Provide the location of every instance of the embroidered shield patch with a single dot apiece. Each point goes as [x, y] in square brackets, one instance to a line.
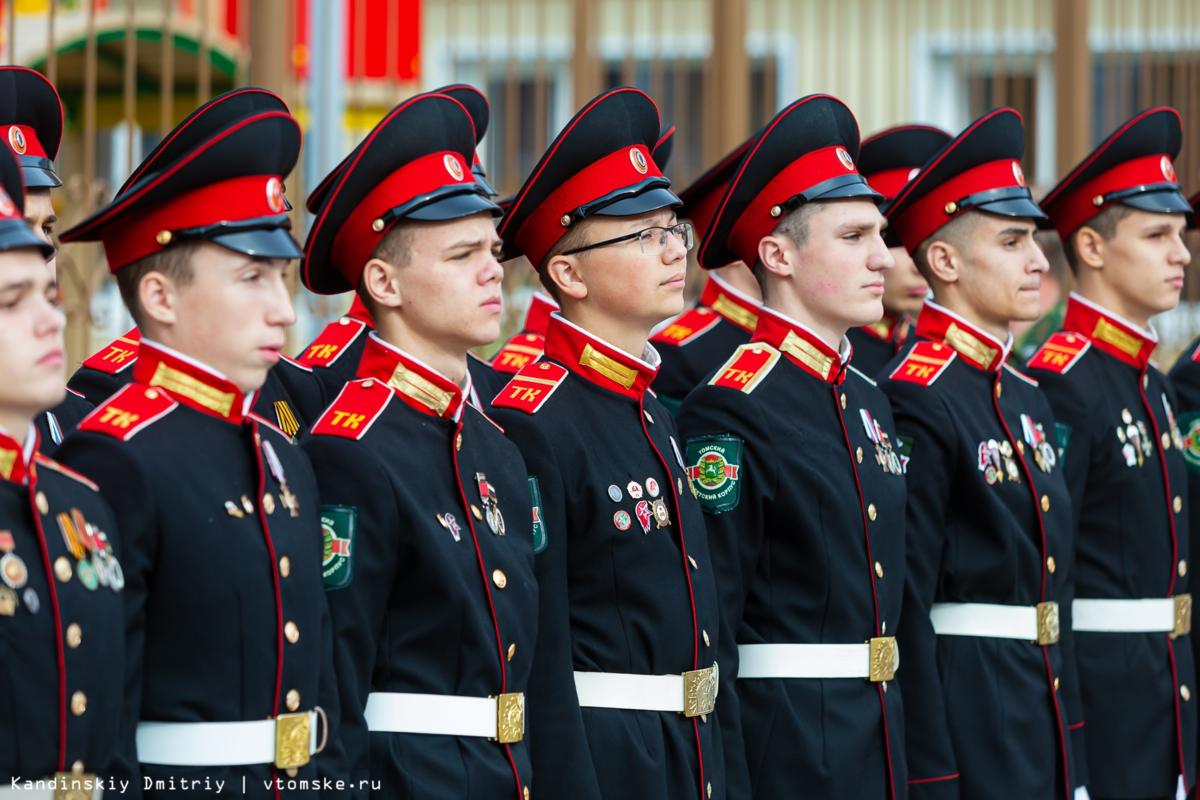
[540, 539]
[338, 526]
[1189, 425]
[714, 466]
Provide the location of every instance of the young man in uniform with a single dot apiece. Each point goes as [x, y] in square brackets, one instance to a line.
[1121, 218]
[432, 593]
[811, 577]
[700, 339]
[887, 160]
[989, 690]
[624, 677]
[31, 123]
[62, 642]
[228, 637]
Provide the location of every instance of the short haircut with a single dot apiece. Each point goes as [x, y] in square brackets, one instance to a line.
[395, 248]
[795, 225]
[1105, 223]
[956, 232]
[175, 263]
[576, 236]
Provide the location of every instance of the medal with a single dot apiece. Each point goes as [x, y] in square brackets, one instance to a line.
[286, 497]
[7, 545]
[661, 518]
[635, 490]
[487, 498]
[678, 455]
[622, 521]
[644, 515]
[32, 603]
[1035, 437]
[451, 524]
[70, 535]
[87, 575]
[13, 571]
[8, 602]
[652, 487]
[614, 493]
[1176, 438]
[990, 463]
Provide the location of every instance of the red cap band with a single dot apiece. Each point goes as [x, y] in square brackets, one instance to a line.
[23, 141]
[889, 182]
[1070, 212]
[249, 197]
[940, 206]
[543, 228]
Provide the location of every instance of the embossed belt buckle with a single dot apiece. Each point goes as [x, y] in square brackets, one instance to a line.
[510, 717]
[293, 734]
[1183, 614]
[71, 785]
[885, 658]
[700, 691]
[1047, 618]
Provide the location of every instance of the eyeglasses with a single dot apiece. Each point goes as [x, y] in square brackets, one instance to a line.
[653, 241]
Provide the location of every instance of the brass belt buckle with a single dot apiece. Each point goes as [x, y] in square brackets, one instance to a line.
[700, 691]
[74, 785]
[885, 658]
[1048, 629]
[510, 717]
[1183, 615]
[293, 735]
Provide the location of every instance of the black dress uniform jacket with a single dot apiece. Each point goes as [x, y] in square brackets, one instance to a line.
[430, 599]
[700, 339]
[876, 345]
[1131, 542]
[225, 617]
[54, 425]
[62, 645]
[988, 521]
[618, 592]
[791, 453]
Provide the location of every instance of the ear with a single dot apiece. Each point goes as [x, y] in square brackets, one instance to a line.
[158, 296]
[566, 274]
[945, 262]
[382, 282]
[777, 253]
[1090, 248]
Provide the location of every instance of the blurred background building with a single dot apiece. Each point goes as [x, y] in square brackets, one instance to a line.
[129, 70]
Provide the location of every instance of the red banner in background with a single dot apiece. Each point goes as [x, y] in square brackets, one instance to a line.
[367, 39]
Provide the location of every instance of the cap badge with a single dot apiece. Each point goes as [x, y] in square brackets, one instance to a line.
[275, 195]
[16, 137]
[1018, 174]
[1168, 169]
[452, 166]
[845, 158]
[639, 160]
[7, 207]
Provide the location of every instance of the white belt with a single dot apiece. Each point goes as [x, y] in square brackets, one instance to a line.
[692, 694]
[1150, 615]
[876, 660]
[1028, 623]
[287, 741]
[501, 718]
[7, 792]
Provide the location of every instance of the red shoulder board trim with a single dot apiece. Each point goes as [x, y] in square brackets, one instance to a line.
[72, 391]
[485, 416]
[50, 463]
[264, 421]
[531, 387]
[114, 357]
[747, 367]
[293, 362]
[1022, 376]
[1196, 354]
[924, 364]
[687, 327]
[128, 411]
[354, 410]
[1060, 352]
[332, 342]
[518, 353]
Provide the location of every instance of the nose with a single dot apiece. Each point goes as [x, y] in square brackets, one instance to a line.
[1040, 262]
[675, 250]
[50, 320]
[1179, 253]
[281, 312]
[493, 270]
[881, 257]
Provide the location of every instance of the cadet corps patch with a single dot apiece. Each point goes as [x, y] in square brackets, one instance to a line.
[518, 352]
[905, 450]
[924, 363]
[1189, 424]
[116, 355]
[338, 526]
[332, 342]
[714, 465]
[355, 408]
[1060, 352]
[687, 327]
[540, 539]
[530, 388]
[128, 411]
[1063, 431]
[748, 366]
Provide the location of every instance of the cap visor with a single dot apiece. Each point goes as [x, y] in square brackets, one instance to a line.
[261, 243]
[481, 179]
[15, 234]
[1160, 202]
[38, 178]
[1014, 207]
[650, 200]
[455, 206]
[851, 190]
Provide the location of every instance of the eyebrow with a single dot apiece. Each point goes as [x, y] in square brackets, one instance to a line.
[466, 243]
[1017, 231]
[19, 286]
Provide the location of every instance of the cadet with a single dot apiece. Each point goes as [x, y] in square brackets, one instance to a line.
[434, 611]
[335, 353]
[31, 120]
[61, 636]
[291, 396]
[622, 689]
[989, 518]
[526, 346]
[227, 627]
[1121, 218]
[811, 579]
[700, 339]
[887, 160]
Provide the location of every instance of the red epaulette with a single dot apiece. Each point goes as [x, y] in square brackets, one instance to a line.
[747, 367]
[687, 327]
[293, 362]
[924, 363]
[1060, 352]
[530, 388]
[332, 342]
[354, 410]
[128, 411]
[116, 355]
[518, 352]
[50, 463]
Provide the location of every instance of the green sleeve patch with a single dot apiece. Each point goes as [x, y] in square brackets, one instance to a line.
[714, 469]
[338, 527]
[540, 540]
[1063, 431]
[1189, 427]
[904, 451]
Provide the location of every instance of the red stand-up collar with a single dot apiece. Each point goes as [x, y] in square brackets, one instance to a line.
[802, 347]
[1118, 337]
[358, 310]
[417, 384]
[977, 348]
[15, 459]
[730, 303]
[189, 382]
[598, 361]
[537, 319]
